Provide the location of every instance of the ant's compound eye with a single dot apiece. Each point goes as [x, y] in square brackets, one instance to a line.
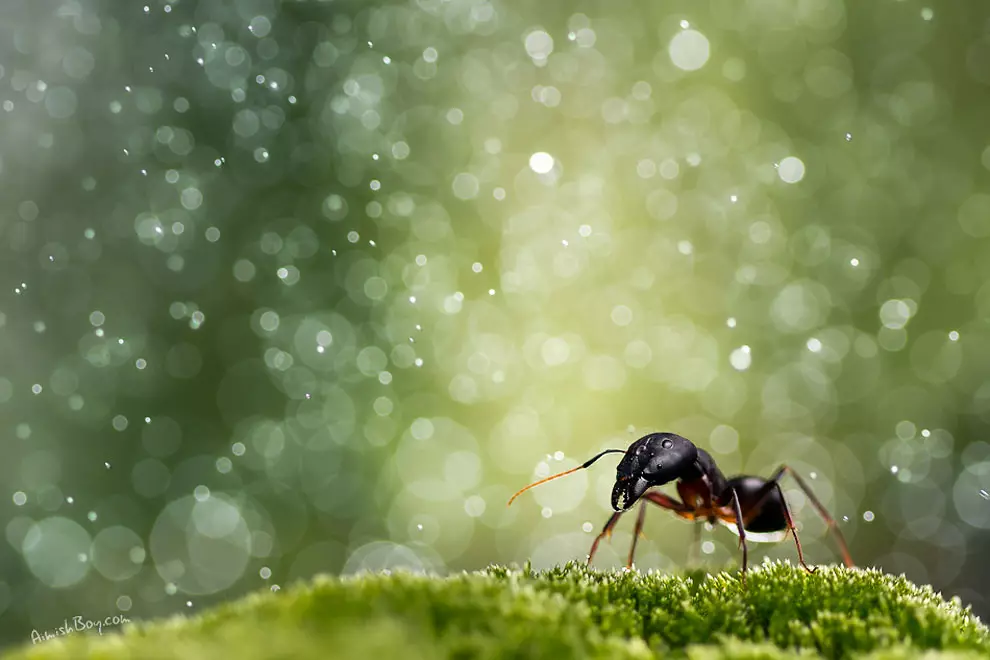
[667, 443]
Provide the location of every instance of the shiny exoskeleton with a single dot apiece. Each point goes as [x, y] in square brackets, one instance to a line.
[753, 507]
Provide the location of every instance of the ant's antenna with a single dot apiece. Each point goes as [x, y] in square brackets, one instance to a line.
[565, 473]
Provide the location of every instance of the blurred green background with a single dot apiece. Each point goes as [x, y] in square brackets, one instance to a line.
[302, 286]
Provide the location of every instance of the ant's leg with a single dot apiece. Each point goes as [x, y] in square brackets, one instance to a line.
[637, 532]
[676, 506]
[667, 502]
[694, 559]
[790, 526]
[774, 482]
[606, 531]
[742, 532]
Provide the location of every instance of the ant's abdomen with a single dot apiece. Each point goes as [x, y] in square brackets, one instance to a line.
[755, 495]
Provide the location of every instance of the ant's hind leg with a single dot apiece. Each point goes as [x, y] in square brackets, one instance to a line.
[833, 526]
[606, 532]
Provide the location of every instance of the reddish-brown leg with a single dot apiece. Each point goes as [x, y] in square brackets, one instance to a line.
[606, 532]
[637, 532]
[742, 533]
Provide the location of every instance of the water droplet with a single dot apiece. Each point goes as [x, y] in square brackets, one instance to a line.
[984, 494]
[849, 137]
[275, 587]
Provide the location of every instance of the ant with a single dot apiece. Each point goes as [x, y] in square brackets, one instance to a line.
[752, 507]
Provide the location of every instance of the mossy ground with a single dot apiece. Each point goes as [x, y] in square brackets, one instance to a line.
[567, 612]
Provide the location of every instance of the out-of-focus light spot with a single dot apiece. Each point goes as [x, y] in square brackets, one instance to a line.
[541, 162]
[555, 351]
[791, 169]
[430, 54]
[905, 429]
[868, 516]
[689, 50]
[685, 247]
[849, 137]
[587, 527]
[708, 547]
[465, 186]
[854, 262]
[741, 358]
[895, 314]
[621, 315]
[814, 345]
[953, 336]
[731, 322]
[685, 25]
[20, 498]
[927, 13]
[538, 45]
[474, 506]
[546, 512]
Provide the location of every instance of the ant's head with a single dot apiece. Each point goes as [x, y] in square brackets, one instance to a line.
[653, 460]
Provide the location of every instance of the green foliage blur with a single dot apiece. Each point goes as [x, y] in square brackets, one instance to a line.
[310, 286]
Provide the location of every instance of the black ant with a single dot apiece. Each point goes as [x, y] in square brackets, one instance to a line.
[749, 504]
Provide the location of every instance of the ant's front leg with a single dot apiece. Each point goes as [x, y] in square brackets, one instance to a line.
[694, 559]
[606, 532]
[637, 532]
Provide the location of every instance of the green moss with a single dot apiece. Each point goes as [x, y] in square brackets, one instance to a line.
[570, 611]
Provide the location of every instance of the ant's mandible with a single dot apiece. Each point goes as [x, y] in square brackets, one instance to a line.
[752, 506]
